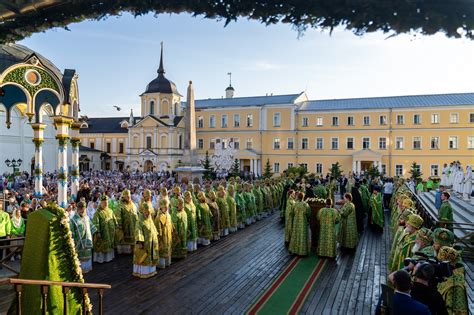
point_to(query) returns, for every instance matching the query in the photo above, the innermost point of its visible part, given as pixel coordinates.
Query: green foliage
(320, 191)
(415, 172)
(373, 171)
(267, 173)
(209, 172)
(235, 169)
(335, 170)
(297, 171)
(453, 18)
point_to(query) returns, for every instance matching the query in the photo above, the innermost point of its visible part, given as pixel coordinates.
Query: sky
(116, 58)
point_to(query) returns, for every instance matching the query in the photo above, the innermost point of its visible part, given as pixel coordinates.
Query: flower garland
(73, 264)
(316, 200)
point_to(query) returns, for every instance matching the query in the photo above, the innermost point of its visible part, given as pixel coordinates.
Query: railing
(463, 231)
(17, 249)
(44, 289)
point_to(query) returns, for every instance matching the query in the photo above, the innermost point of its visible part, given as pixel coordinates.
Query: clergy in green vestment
(299, 241)
(403, 249)
(289, 214)
(453, 289)
(250, 205)
(174, 198)
(127, 217)
(328, 218)
(441, 237)
(365, 195)
(232, 209)
(82, 231)
(204, 220)
(216, 216)
(376, 209)
(446, 211)
(190, 209)
(348, 233)
(146, 252)
(241, 210)
(180, 230)
(104, 240)
(398, 234)
(164, 227)
(223, 210)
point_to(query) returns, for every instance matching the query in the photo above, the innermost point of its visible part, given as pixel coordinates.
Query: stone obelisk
(190, 127)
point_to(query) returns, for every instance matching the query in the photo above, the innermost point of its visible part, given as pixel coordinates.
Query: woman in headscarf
(17, 229)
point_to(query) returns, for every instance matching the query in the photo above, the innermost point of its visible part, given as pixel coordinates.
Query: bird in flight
(118, 108)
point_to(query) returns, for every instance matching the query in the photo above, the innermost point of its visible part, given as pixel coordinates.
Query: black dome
(161, 84)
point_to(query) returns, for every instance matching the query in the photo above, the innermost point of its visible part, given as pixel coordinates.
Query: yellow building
(289, 130)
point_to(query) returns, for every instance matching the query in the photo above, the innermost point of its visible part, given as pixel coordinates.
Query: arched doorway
(148, 166)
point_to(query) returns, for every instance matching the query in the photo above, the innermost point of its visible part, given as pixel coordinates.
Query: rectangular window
(249, 120)
(276, 143)
(200, 123)
(109, 146)
(236, 142)
(399, 143)
(304, 165)
(471, 118)
(434, 170)
(454, 118)
(224, 121)
(212, 121)
(236, 120)
(212, 144)
(224, 145)
(148, 142)
(290, 165)
(290, 144)
(319, 168)
(201, 144)
(334, 143)
(350, 120)
(453, 142)
(335, 121)
(382, 120)
(470, 142)
(434, 143)
(416, 143)
(366, 120)
(365, 143)
(350, 144)
(249, 143)
(305, 122)
(399, 170)
(304, 144)
(382, 143)
(416, 119)
(400, 120)
(319, 143)
(319, 121)
(384, 169)
(276, 120)
(120, 147)
(435, 118)
(92, 145)
(276, 167)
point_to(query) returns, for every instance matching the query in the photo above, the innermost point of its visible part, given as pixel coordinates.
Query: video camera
(442, 268)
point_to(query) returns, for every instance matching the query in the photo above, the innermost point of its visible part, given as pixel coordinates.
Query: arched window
(152, 108)
(164, 141)
(164, 108)
(148, 142)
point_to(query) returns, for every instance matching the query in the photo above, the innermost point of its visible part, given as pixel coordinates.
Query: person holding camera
(403, 303)
(453, 288)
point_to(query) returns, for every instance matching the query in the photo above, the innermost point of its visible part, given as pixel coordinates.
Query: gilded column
(62, 135)
(38, 130)
(75, 143)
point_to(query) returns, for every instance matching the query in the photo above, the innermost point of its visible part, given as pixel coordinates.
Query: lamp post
(13, 163)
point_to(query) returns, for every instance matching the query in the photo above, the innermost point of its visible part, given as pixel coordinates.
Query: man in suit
(403, 303)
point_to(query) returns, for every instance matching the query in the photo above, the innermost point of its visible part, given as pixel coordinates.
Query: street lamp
(13, 163)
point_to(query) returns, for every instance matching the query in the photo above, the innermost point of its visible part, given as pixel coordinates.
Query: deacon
(146, 253)
(299, 242)
(328, 218)
(348, 233)
(82, 230)
(127, 217)
(104, 240)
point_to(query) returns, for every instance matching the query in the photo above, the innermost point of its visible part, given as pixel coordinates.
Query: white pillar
(62, 135)
(379, 165)
(259, 167)
(38, 139)
(354, 167)
(75, 143)
(251, 166)
(358, 167)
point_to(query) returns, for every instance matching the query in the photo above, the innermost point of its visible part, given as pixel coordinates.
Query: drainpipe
(390, 142)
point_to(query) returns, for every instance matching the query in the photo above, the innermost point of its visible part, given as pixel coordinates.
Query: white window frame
(437, 170)
(304, 122)
(200, 144)
(402, 120)
(276, 119)
(319, 121)
(384, 120)
(347, 143)
(402, 170)
(212, 144)
(200, 122)
(276, 167)
(288, 143)
(449, 142)
(456, 115)
(249, 121)
(322, 143)
(319, 164)
(332, 142)
(419, 119)
(212, 118)
(403, 143)
(435, 118)
(336, 119)
(469, 119)
(369, 143)
(290, 164)
(470, 139)
(413, 143)
(224, 121)
(236, 121)
(353, 121)
(385, 143)
(249, 143)
(275, 141)
(431, 142)
(307, 143)
(364, 120)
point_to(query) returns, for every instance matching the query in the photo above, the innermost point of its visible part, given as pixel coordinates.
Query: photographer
(402, 302)
(422, 291)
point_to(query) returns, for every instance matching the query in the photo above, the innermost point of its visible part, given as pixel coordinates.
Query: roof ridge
(392, 96)
(242, 97)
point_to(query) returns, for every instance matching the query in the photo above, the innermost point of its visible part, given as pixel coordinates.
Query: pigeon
(118, 108)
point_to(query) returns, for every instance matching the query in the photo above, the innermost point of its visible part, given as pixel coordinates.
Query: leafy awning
(455, 18)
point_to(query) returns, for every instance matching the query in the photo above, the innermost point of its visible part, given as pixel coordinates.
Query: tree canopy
(455, 18)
